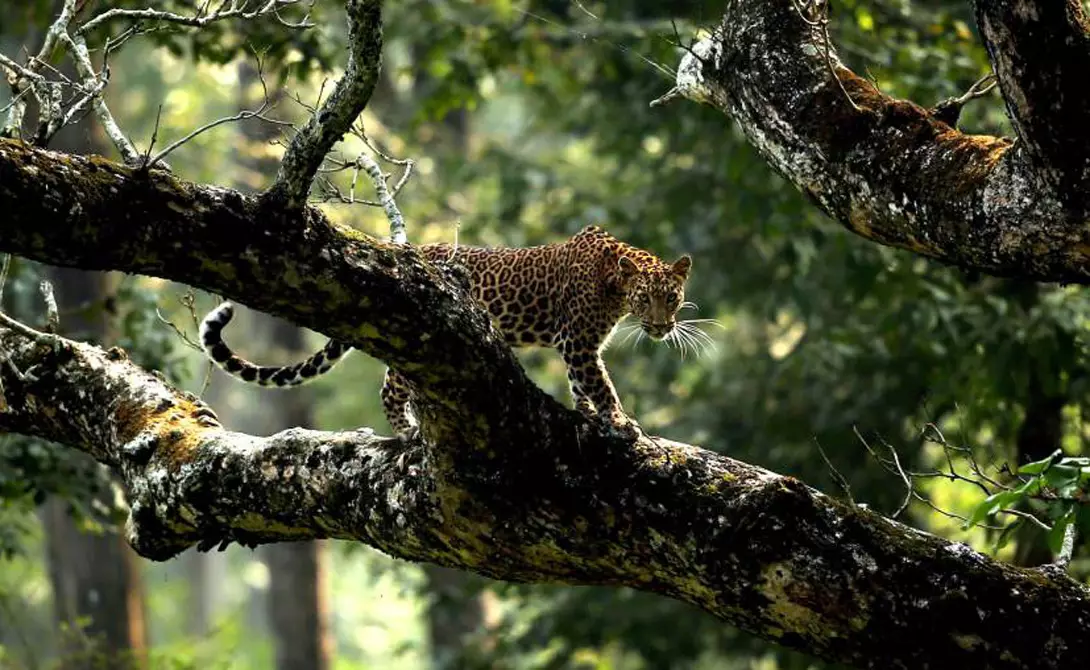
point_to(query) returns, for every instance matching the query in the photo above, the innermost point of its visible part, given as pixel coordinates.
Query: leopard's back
(532, 293)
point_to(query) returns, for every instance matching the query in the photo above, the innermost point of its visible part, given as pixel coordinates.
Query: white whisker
(711, 321)
(695, 332)
(687, 344)
(700, 341)
(628, 336)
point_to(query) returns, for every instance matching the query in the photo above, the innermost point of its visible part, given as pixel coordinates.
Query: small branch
(1028, 517)
(77, 46)
(904, 477)
(243, 115)
(235, 9)
(948, 111)
(840, 480)
(56, 31)
(393, 214)
(312, 143)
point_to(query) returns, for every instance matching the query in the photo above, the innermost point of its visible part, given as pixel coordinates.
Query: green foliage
(1056, 487)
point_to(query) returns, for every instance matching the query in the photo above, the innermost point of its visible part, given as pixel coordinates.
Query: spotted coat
(567, 296)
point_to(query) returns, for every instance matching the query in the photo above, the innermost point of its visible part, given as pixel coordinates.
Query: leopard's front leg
(396, 394)
(592, 388)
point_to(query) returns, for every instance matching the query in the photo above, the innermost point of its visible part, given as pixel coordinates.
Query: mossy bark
(894, 173)
(761, 551)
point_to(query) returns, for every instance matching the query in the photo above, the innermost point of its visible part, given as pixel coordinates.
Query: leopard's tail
(313, 367)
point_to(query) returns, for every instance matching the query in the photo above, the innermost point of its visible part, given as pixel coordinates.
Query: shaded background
(529, 120)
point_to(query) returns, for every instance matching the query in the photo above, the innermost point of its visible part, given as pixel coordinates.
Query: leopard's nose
(657, 331)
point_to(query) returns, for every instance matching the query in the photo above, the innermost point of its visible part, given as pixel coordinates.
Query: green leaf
(1003, 500)
(1056, 535)
(993, 504)
(1063, 478)
(1037, 467)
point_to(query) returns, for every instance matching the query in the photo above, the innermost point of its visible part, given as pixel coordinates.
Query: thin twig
(907, 480)
(198, 20)
(4, 277)
(26, 330)
(78, 48)
(1029, 517)
(839, 478)
(178, 331)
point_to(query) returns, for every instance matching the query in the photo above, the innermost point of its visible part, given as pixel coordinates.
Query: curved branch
(885, 168)
(1041, 55)
(758, 550)
(381, 298)
(333, 119)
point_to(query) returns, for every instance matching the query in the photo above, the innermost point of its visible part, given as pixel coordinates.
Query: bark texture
(508, 484)
(892, 172)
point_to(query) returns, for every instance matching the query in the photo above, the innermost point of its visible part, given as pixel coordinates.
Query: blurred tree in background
(529, 120)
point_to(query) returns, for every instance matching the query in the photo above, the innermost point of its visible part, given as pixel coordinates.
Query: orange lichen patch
(1080, 252)
(174, 428)
(967, 158)
(859, 221)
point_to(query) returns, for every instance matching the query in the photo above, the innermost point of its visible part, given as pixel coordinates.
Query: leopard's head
(655, 294)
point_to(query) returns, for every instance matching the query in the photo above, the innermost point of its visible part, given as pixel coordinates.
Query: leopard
(569, 296)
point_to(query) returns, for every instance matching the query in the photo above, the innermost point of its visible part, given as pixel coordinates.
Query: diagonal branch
(887, 169)
(63, 210)
(336, 115)
(758, 550)
(1041, 55)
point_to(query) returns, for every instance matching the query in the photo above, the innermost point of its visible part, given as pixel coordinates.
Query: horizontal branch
(758, 550)
(886, 169)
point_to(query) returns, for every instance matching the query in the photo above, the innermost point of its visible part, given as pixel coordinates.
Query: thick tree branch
(382, 298)
(1041, 55)
(886, 168)
(758, 550)
(510, 485)
(336, 115)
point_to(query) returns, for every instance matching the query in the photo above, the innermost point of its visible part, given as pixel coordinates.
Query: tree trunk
(298, 608)
(455, 612)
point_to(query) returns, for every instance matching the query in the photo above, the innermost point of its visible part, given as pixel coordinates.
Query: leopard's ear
(627, 267)
(682, 266)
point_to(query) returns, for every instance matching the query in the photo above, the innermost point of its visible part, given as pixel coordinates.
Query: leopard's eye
(671, 298)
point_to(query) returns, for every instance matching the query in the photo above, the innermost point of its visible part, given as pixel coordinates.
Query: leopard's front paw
(586, 408)
(623, 426)
(409, 434)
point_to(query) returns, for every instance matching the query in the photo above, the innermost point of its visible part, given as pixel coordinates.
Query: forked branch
(892, 172)
(338, 112)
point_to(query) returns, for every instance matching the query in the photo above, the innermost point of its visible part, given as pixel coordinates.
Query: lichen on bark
(891, 171)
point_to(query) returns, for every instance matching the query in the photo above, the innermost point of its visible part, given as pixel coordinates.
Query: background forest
(527, 120)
